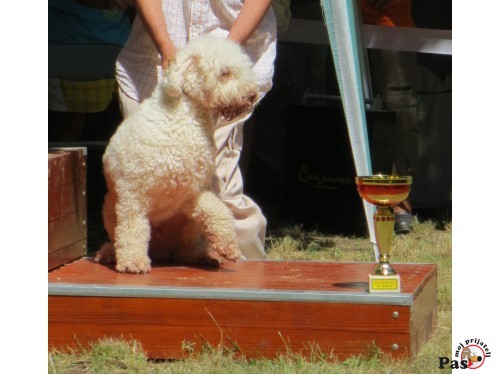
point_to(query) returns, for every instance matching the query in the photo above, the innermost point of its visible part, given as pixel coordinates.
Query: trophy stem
(384, 192)
(384, 227)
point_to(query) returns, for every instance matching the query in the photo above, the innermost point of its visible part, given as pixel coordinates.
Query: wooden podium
(261, 308)
(67, 209)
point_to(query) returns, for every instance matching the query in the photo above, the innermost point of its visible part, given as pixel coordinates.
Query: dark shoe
(403, 222)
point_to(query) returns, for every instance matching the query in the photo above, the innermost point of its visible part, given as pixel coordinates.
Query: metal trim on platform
(94, 290)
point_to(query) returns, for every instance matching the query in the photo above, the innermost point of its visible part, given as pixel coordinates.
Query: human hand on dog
(167, 54)
(152, 14)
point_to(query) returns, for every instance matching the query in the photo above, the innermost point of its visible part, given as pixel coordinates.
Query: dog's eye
(225, 74)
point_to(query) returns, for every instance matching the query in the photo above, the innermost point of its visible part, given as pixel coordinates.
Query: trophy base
(384, 284)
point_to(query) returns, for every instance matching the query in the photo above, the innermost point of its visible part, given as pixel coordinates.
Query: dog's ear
(465, 353)
(172, 80)
(175, 74)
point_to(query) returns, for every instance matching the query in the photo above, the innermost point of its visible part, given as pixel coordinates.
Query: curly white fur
(159, 164)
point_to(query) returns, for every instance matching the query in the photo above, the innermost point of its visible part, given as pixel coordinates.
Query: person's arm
(249, 18)
(154, 20)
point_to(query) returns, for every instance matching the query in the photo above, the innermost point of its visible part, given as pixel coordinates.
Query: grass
(427, 243)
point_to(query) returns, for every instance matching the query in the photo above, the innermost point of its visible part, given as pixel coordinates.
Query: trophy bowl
(384, 192)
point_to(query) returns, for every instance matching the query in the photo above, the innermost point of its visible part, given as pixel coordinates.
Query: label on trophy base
(384, 284)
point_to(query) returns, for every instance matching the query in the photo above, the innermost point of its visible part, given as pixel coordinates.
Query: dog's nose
(252, 97)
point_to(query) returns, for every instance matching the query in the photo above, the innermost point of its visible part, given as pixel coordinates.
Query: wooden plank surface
(424, 315)
(258, 328)
(63, 200)
(67, 254)
(67, 209)
(61, 169)
(244, 314)
(66, 231)
(301, 276)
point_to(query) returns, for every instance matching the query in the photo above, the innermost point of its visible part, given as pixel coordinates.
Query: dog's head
(215, 73)
(466, 353)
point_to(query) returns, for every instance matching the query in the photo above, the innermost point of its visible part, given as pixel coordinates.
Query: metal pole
(364, 63)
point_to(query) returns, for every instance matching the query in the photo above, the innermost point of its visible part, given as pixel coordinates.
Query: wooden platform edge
(424, 312)
(169, 318)
(260, 329)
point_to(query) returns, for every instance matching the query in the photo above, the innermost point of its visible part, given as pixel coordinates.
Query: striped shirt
(138, 67)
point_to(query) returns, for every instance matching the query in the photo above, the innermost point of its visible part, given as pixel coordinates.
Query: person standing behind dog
(394, 75)
(162, 27)
(82, 23)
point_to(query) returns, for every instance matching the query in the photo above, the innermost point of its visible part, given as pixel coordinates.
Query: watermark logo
(470, 355)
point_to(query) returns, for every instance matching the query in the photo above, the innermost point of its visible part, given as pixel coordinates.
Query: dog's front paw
(219, 254)
(134, 265)
(106, 254)
(233, 253)
(212, 259)
(228, 251)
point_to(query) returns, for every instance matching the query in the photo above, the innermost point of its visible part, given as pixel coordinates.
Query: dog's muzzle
(230, 112)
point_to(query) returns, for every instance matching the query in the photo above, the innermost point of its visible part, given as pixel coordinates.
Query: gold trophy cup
(384, 192)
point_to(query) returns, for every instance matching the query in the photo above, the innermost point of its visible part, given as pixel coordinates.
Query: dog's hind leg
(109, 213)
(216, 223)
(132, 235)
(106, 253)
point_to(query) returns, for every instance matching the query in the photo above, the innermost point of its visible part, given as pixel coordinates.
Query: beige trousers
(250, 223)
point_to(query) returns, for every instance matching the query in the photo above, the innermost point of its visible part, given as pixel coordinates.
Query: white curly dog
(159, 164)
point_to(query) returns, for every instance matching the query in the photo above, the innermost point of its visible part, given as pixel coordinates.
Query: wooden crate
(262, 308)
(67, 209)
